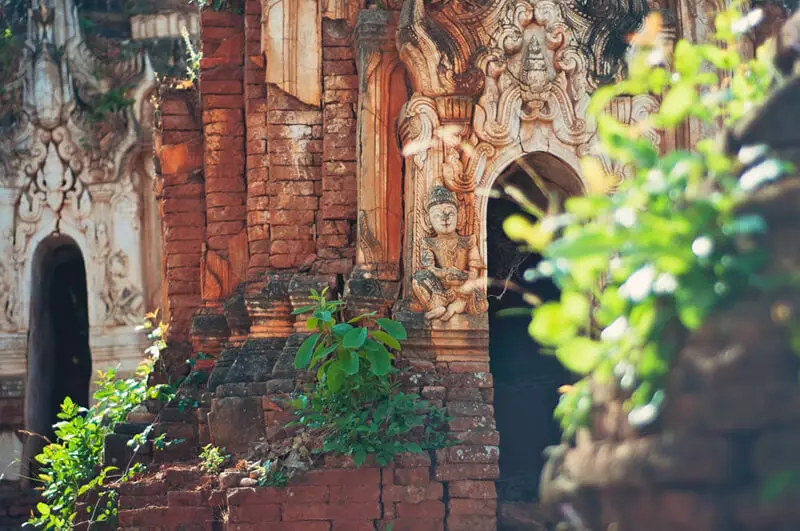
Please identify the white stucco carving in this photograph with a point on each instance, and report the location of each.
(64, 171)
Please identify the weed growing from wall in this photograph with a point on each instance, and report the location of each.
(357, 404)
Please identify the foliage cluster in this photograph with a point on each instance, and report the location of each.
(112, 101)
(212, 459)
(357, 403)
(234, 6)
(72, 465)
(643, 266)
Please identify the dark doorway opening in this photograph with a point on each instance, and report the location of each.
(526, 381)
(59, 358)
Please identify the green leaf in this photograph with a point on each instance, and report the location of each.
(385, 338)
(580, 355)
(677, 103)
(323, 315)
(550, 326)
(341, 329)
(575, 306)
(335, 377)
(304, 309)
(303, 356)
(43, 508)
(393, 328)
(379, 359)
(320, 353)
(358, 318)
(355, 338)
(687, 59)
(359, 456)
(349, 362)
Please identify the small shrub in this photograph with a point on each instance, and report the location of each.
(72, 466)
(212, 459)
(271, 473)
(357, 404)
(112, 101)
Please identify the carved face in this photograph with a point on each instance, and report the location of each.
(444, 218)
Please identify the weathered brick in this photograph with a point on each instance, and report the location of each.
(472, 489)
(447, 472)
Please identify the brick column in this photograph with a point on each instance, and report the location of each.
(225, 256)
(335, 246)
(255, 108)
(181, 193)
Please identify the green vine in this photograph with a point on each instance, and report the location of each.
(640, 268)
(357, 403)
(193, 57)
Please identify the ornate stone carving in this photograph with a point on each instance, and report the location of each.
(449, 281)
(539, 62)
(62, 170)
(124, 301)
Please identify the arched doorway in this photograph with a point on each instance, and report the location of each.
(526, 381)
(59, 358)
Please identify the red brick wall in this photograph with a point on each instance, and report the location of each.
(345, 499)
(256, 142)
(181, 193)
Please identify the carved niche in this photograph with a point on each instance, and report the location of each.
(64, 169)
(494, 81)
(383, 92)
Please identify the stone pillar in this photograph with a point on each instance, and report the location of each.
(225, 251)
(374, 283)
(181, 193)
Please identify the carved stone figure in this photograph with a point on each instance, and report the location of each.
(448, 283)
(123, 299)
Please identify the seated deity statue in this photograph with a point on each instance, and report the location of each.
(448, 283)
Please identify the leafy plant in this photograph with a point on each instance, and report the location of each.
(271, 474)
(212, 458)
(356, 403)
(193, 57)
(112, 101)
(71, 466)
(234, 6)
(642, 267)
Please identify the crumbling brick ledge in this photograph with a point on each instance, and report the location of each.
(336, 498)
